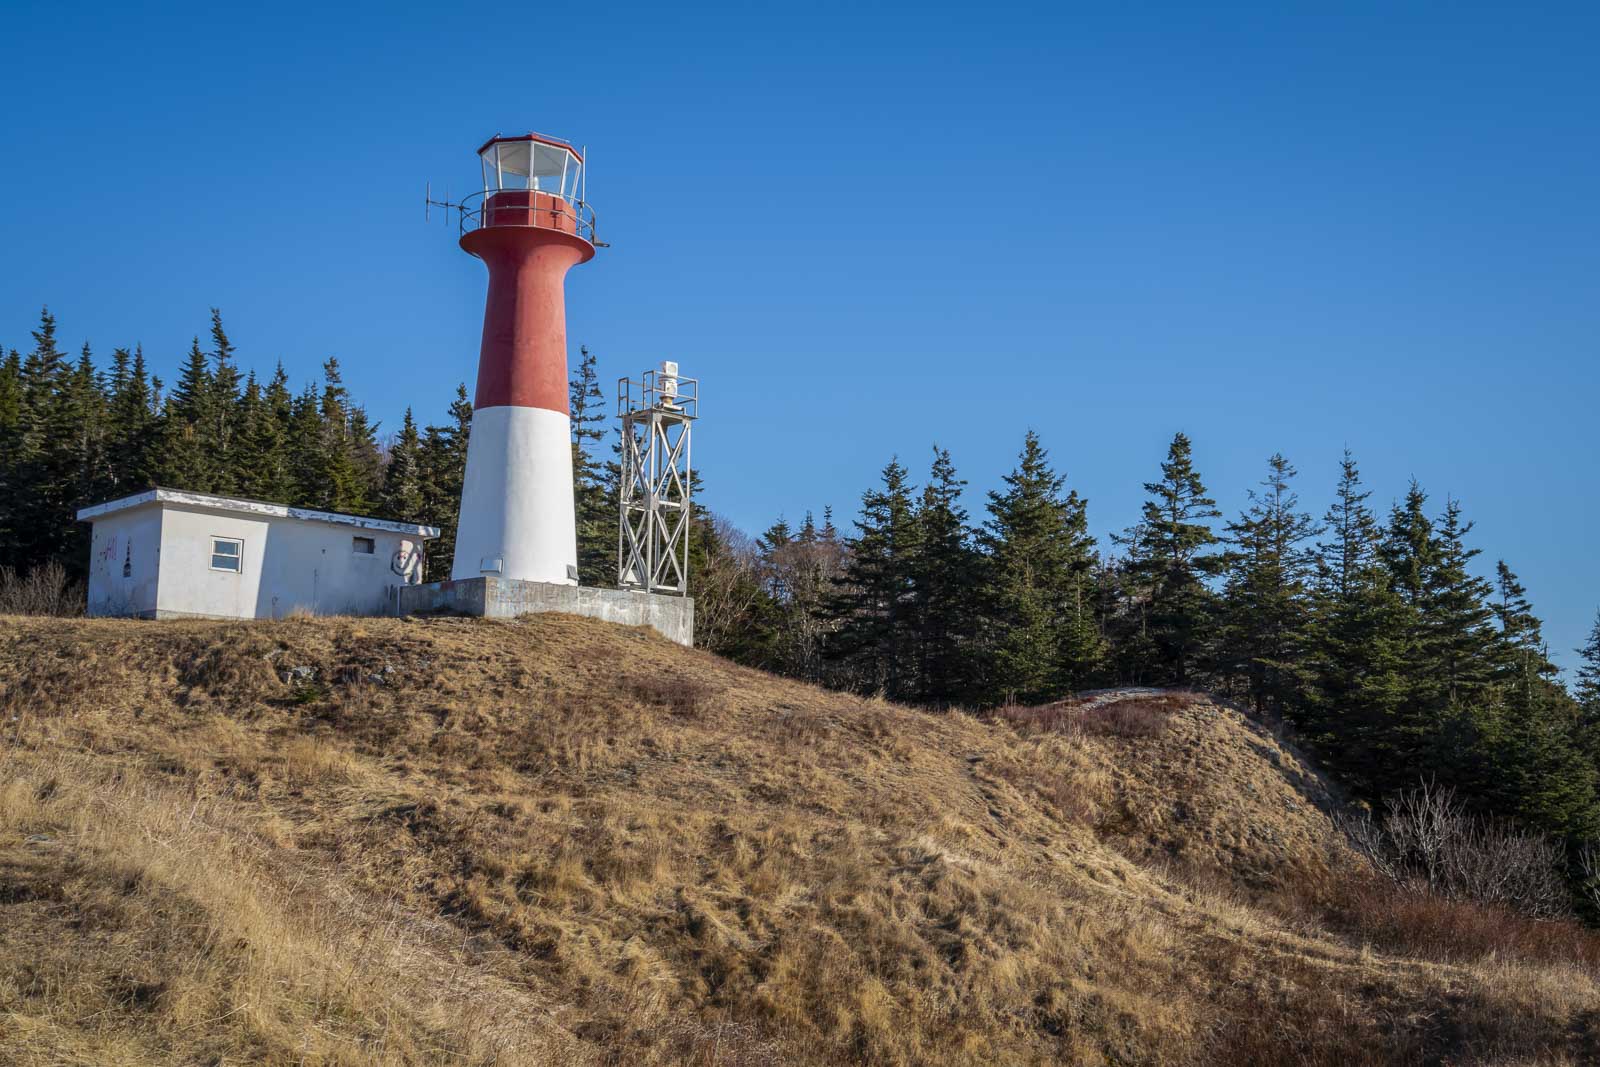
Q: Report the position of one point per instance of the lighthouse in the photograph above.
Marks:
(516, 541)
(529, 226)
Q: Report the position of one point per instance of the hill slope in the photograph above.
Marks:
(557, 841)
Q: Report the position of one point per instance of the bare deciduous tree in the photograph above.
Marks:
(726, 588)
(44, 590)
(1428, 842)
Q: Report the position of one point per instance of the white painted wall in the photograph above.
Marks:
(516, 498)
(289, 565)
(123, 558)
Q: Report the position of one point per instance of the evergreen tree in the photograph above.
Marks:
(219, 434)
(444, 466)
(366, 458)
(594, 498)
(1534, 763)
(305, 451)
(1539, 771)
(944, 582)
(1457, 613)
(1587, 690)
(1040, 635)
(1449, 722)
(1168, 558)
(10, 397)
(82, 419)
(874, 641)
(266, 425)
(187, 461)
(131, 423)
(1525, 655)
(402, 480)
(343, 444)
(1408, 744)
(1359, 634)
(13, 412)
(45, 464)
(1267, 628)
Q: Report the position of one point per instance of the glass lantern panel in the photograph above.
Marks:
(514, 164)
(549, 165)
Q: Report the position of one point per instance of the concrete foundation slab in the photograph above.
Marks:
(506, 598)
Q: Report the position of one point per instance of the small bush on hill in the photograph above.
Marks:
(1143, 716)
(682, 696)
(44, 590)
(1428, 925)
(1426, 840)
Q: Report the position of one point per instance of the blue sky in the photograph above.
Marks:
(872, 227)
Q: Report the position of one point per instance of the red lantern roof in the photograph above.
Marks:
(553, 142)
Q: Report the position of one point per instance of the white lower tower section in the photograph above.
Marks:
(516, 500)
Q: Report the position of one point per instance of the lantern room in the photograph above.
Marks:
(532, 161)
(530, 181)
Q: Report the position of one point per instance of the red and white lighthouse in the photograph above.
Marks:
(530, 225)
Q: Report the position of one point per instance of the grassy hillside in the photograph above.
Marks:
(556, 841)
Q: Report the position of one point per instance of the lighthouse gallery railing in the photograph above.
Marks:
(542, 208)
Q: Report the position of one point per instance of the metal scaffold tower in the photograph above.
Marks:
(657, 413)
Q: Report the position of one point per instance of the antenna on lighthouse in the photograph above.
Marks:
(429, 203)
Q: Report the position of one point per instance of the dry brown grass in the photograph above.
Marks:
(556, 841)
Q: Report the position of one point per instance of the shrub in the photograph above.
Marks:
(1427, 840)
(1134, 717)
(45, 590)
(685, 697)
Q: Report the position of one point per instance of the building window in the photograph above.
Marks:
(227, 555)
(363, 546)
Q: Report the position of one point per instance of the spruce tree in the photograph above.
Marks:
(131, 424)
(46, 464)
(1169, 559)
(344, 474)
(1587, 687)
(1040, 637)
(444, 466)
(1359, 633)
(268, 443)
(10, 396)
(945, 585)
(594, 502)
(220, 433)
(84, 416)
(875, 643)
(305, 451)
(1458, 612)
(12, 470)
(402, 479)
(1523, 651)
(187, 459)
(1535, 763)
(1538, 770)
(366, 458)
(1267, 628)
(1409, 742)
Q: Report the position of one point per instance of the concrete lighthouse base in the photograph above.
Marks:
(506, 598)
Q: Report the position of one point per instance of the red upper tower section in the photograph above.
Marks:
(530, 225)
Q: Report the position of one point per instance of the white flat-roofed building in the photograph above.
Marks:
(167, 553)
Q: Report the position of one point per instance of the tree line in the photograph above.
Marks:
(75, 431)
(1373, 633)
